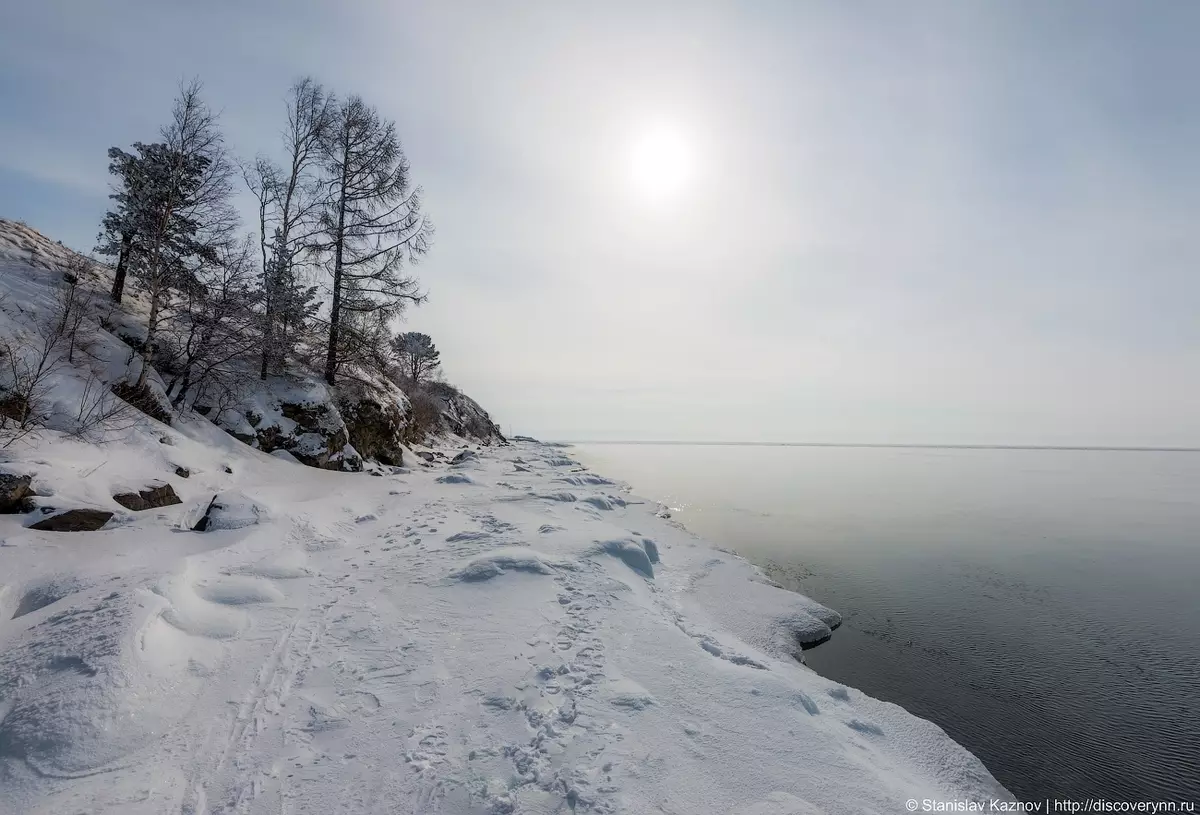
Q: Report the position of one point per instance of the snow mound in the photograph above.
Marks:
(585, 480)
(230, 510)
(47, 592)
(498, 561)
(284, 455)
(604, 502)
(455, 478)
(287, 564)
(631, 552)
(233, 590)
(772, 619)
(561, 497)
(92, 683)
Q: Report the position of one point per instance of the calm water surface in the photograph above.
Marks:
(1042, 607)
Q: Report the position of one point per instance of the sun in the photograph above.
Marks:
(661, 163)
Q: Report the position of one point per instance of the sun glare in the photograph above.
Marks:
(661, 163)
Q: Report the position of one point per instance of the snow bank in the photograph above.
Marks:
(499, 561)
(363, 644)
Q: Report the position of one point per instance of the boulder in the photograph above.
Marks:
(15, 492)
(425, 454)
(146, 399)
(375, 427)
(183, 472)
(229, 510)
(72, 520)
(463, 457)
(152, 497)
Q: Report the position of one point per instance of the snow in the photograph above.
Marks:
(465, 637)
(417, 642)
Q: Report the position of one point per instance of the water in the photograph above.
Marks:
(1041, 606)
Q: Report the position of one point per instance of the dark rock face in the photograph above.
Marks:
(73, 520)
(15, 492)
(145, 400)
(375, 429)
(437, 408)
(162, 495)
(318, 440)
(14, 407)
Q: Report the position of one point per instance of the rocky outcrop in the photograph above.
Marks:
(375, 427)
(72, 520)
(15, 493)
(152, 497)
(146, 399)
(337, 429)
(297, 416)
(440, 409)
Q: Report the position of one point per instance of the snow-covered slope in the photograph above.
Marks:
(367, 416)
(509, 633)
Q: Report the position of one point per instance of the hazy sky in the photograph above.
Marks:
(955, 221)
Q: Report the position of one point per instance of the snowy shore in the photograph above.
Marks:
(511, 633)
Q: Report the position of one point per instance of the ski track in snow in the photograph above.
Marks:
(422, 644)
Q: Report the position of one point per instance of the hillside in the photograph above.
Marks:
(367, 418)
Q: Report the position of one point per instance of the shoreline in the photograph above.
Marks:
(804, 645)
(502, 632)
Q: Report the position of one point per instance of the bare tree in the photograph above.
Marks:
(289, 203)
(371, 221)
(100, 413)
(29, 368)
(212, 337)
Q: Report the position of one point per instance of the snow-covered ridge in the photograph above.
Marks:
(368, 417)
(504, 632)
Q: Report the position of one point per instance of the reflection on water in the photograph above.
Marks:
(1040, 606)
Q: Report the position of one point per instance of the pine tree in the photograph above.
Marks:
(118, 236)
(182, 211)
(417, 356)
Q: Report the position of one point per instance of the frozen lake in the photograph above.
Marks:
(1041, 606)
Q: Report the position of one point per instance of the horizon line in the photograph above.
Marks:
(1100, 448)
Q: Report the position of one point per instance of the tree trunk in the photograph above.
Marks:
(151, 331)
(183, 388)
(118, 288)
(335, 308)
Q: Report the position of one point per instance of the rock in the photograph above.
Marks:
(464, 457)
(183, 472)
(375, 426)
(229, 510)
(425, 454)
(153, 497)
(167, 440)
(15, 492)
(72, 520)
(347, 460)
(145, 399)
(227, 469)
